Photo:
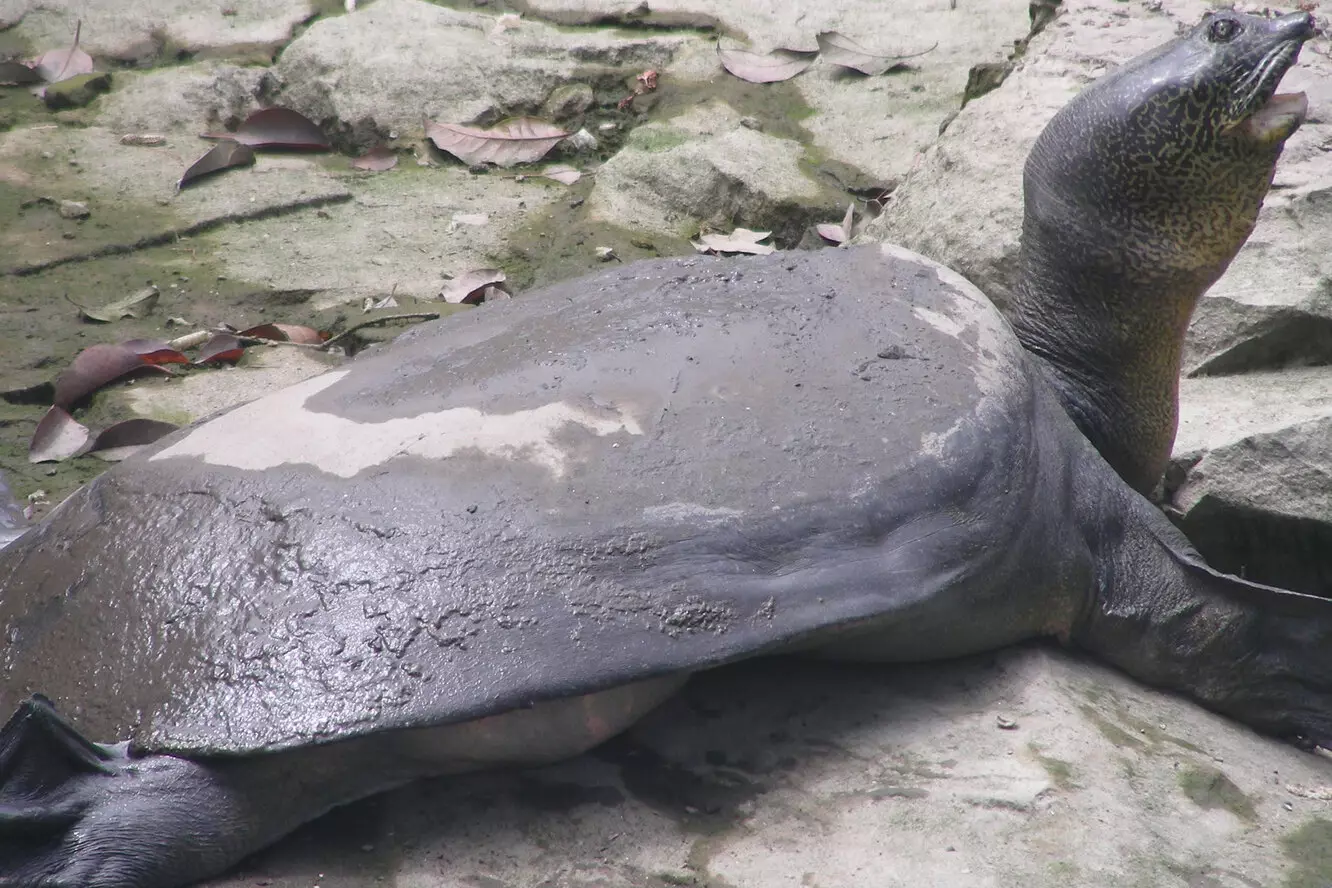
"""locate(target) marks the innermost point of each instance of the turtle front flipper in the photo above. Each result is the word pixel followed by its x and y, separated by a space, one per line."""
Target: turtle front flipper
pixel 1256 653
pixel 77 814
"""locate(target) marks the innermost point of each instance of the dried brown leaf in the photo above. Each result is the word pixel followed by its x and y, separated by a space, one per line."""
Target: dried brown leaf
pixel 222 347
pixel 18 74
pixel 94 367
pixel 286 333
pixel 565 175
pixel 742 240
pixel 469 288
pixel 123 439
pixel 221 156
pixel 277 128
pixel 519 140
pixel 846 53
pixel 61 64
pixel 135 305
pixel 838 234
pixel 780 64
pixel 376 160
pixel 58 436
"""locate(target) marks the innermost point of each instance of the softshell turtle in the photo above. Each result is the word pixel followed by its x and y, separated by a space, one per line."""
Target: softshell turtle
pixel 507 536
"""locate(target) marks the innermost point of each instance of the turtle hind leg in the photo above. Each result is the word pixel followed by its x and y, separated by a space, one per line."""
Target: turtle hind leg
pixel 39 750
pixel 77 814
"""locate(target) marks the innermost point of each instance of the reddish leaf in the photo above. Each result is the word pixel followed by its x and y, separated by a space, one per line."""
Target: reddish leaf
pixel 470 288
pixel 155 351
pixel 18 74
pixel 277 128
pixel 520 140
pixel 93 368
pixel 124 438
pixel 286 333
pixel 780 64
pixel 846 53
pixel 221 156
pixel 58 436
pixel 222 347
pixel 377 159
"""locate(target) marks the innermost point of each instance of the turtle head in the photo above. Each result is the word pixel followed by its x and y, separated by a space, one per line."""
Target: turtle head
pixel 1139 193
pixel 1218 83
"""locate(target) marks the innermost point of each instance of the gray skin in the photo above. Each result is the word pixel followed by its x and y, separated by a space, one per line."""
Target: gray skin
pixel 507 536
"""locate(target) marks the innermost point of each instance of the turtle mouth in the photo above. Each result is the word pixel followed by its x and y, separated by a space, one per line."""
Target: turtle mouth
pixel 1272 116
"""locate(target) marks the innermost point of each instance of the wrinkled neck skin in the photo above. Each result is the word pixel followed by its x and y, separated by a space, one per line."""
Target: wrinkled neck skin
pixel 1110 341
pixel 1159 613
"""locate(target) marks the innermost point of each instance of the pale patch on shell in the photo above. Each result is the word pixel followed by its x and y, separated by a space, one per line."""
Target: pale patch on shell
pixel 345 447
pixel 689 513
pixel 975 322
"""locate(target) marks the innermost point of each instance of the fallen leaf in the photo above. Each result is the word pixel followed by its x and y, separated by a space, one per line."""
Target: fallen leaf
pixel 843 51
pixel 838 234
pixel 135 305
pixel 377 160
pixel 742 240
pixel 155 351
pixel 277 128
pixel 56 65
pixel 123 439
pixel 285 333
pixel 468 219
pixel 519 140
pixel 220 347
pixel 41 393
pixel 94 367
pixel 221 156
pixel 505 22
pixel 58 436
pixel 470 288
pixel 371 304
pixel 565 175
pixel 18 74
pixel 780 64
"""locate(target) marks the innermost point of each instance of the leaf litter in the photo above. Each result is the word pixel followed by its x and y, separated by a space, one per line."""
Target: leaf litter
pixel 58 437
pixel 127 437
pixel 376 160
pixel 222 156
pixel 474 287
pixel 742 240
pixel 510 142
pixel 277 128
pixel 772 67
pixel 135 305
pixel 844 52
pixel 838 233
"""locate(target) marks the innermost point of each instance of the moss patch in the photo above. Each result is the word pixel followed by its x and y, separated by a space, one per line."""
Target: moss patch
pixel 1309 849
pixel 1209 788
pixel 1059 771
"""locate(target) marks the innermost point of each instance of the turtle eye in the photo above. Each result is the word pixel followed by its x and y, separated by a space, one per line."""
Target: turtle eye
pixel 1223 30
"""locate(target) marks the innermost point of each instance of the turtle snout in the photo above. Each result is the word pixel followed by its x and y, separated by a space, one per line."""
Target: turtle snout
pixel 1296 26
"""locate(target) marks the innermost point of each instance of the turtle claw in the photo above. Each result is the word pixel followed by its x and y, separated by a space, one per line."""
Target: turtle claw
pixel 78 814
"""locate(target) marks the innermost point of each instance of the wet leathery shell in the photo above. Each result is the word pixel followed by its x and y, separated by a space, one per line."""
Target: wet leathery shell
pixel 533 500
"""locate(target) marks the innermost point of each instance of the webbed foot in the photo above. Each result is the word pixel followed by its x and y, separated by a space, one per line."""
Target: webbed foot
pixel 77 814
